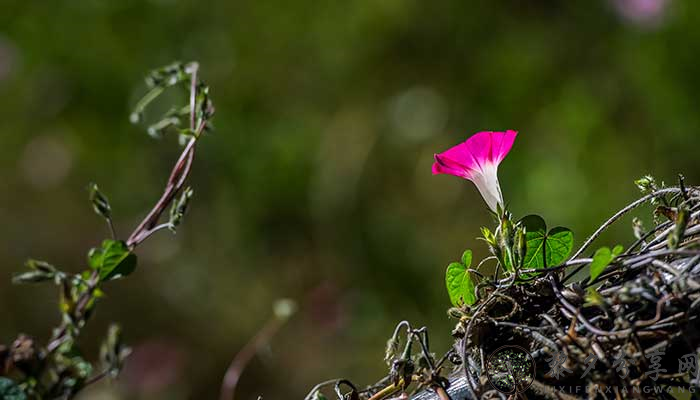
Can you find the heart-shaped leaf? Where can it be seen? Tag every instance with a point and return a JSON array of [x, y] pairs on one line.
[[545, 249], [602, 258], [113, 259], [459, 283]]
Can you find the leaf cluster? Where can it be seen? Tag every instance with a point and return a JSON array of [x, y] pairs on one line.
[[520, 249]]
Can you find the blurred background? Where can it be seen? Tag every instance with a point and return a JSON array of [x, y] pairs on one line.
[[316, 183]]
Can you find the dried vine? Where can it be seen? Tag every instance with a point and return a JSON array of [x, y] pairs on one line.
[[642, 303]]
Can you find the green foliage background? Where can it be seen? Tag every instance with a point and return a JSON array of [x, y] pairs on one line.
[[316, 183]]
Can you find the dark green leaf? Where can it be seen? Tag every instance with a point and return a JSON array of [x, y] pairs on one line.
[[545, 249], [113, 260], [9, 390], [560, 241], [460, 286]]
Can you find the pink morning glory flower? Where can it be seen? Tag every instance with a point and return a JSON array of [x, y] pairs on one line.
[[477, 159]]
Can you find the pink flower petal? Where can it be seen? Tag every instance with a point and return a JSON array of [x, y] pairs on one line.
[[479, 147], [501, 142], [473, 155], [459, 156], [445, 165], [477, 160]]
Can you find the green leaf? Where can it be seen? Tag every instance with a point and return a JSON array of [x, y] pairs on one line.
[[9, 390], [593, 298], [617, 250], [39, 271], [113, 260], [646, 184], [459, 284], [601, 259], [179, 208], [75, 369], [467, 258], [99, 202], [158, 129], [137, 115], [535, 233], [488, 236], [545, 249], [32, 277], [560, 241]]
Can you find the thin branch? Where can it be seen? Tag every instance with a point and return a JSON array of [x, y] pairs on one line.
[[179, 172], [619, 214], [148, 226], [241, 360]]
